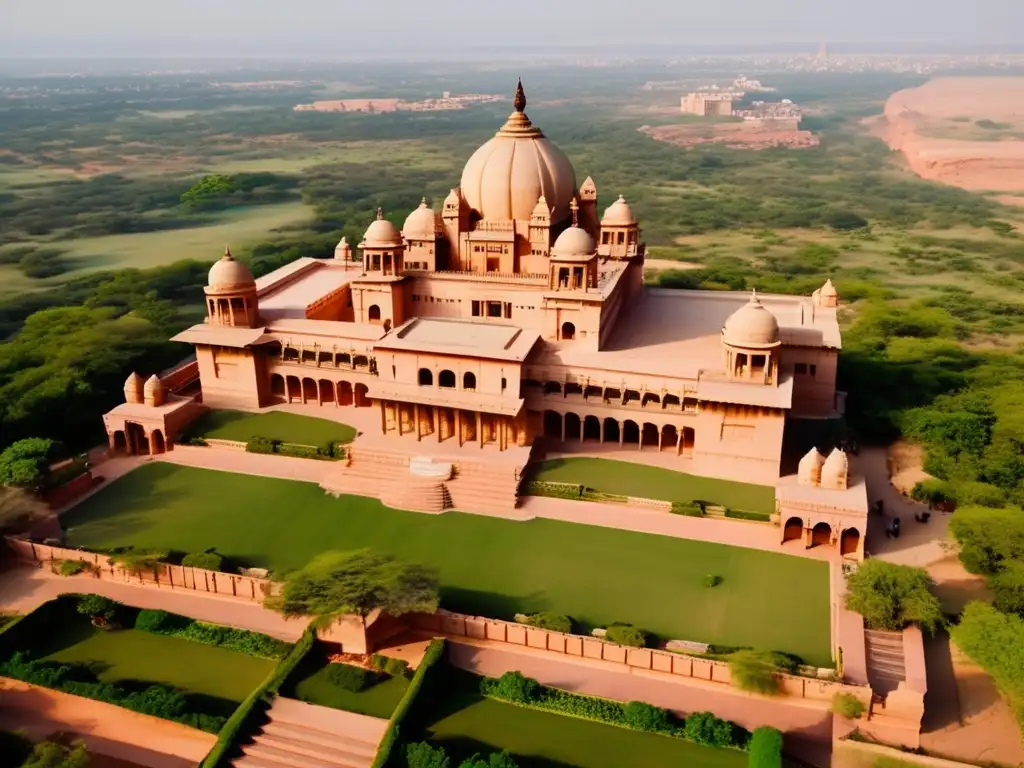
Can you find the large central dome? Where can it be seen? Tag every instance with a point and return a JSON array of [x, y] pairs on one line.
[[505, 177]]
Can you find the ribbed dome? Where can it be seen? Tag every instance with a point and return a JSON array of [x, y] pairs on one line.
[[504, 177], [618, 214], [153, 384], [421, 224], [828, 289], [381, 234], [573, 243], [835, 470], [809, 469], [228, 274], [751, 326]]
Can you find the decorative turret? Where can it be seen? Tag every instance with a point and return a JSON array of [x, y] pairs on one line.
[[573, 257], [809, 469], [343, 251], [231, 294], [382, 247], [588, 207], [133, 388], [835, 471], [620, 234], [750, 339], [826, 296], [154, 394]]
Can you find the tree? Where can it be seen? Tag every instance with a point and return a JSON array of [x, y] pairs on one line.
[[425, 755], [53, 754], [891, 596], [988, 538], [995, 641], [765, 749], [758, 671], [208, 191], [1008, 588], [24, 464], [337, 583]]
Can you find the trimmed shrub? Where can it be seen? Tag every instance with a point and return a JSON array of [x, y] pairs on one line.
[[517, 687], [260, 445], [712, 580], [625, 634], [297, 451], [102, 610], [738, 514], [155, 621], [704, 728], [765, 749], [554, 490], [378, 662], [354, 679], [209, 561], [642, 716], [240, 640], [688, 508], [847, 705], [554, 622], [396, 667], [756, 671], [72, 567], [494, 760], [424, 755]]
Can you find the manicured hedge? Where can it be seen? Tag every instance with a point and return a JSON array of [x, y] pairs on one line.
[[765, 750], [688, 508], [554, 490], [700, 727], [435, 652], [240, 640], [243, 720], [739, 514], [329, 451]]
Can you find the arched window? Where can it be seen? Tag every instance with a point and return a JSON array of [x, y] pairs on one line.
[[468, 381], [446, 379], [568, 331], [374, 313], [426, 377]]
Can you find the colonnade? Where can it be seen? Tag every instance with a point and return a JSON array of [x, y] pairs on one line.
[[442, 423], [848, 539], [308, 390]]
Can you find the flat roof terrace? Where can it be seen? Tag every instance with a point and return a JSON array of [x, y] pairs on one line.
[[287, 292], [678, 333], [460, 337]]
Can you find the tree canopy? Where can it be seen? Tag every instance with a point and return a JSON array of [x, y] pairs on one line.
[[891, 596], [334, 584], [24, 464]]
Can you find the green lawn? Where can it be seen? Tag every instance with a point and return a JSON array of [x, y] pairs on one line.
[[488, 565], [466, 722], [276, 425], [310, 683], [628, 479], [223, 676]]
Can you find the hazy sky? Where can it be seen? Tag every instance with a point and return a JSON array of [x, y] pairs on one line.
[[325, 27]]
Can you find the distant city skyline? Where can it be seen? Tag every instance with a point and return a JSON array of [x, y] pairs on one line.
[[456, 28]]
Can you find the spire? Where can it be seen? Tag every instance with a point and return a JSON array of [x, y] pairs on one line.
[[227, 253], [380, 214], [753, 297], [520, 98], [423, 202], [575, 208]]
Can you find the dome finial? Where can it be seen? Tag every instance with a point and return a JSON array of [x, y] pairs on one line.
[[575, 208], [519, 102], [227, 252], [380, 214]]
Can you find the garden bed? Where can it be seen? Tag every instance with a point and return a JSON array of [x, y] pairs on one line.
[[311, 682], [273, 425]]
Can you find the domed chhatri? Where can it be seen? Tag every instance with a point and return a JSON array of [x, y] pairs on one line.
[[229, 275], [618, 214], [835, 471], [752, 326], [504, 178], [381, 233], [573, 243], [133, 388], [809, 470], [421, 224]]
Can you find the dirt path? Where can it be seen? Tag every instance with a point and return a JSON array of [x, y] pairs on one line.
[[808, 726], [24, 589]]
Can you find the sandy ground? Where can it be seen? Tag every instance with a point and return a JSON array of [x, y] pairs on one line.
[[935, 126], [745, 135], [660, 264]]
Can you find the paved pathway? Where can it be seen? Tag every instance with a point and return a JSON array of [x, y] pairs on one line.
[[25, 588], [261, 464], [808, 724]]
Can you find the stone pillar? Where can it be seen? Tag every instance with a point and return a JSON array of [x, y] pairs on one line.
[[600, 425], [383, 418], [810, 537], [458, 426], [563, 427], [479, 429], [437, 424], [416, 418], [679, 441], [622, 434], [152, 444], [660, 436]]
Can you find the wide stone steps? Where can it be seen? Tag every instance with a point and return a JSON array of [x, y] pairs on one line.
[[886, 665], [301, 735], [415, 494]]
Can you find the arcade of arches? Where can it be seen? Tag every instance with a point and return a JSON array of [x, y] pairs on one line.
[[572, 427], [134, 440], [848, 539], [295, 389]]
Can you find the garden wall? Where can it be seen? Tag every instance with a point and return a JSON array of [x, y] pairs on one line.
[[105, 728], [495, 630], [167, 576]]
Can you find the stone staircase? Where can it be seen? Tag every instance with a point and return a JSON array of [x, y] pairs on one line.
[[300, 735], [475, 486], [885, 662]]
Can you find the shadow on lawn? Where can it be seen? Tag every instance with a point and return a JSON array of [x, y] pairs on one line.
[[491, 604]]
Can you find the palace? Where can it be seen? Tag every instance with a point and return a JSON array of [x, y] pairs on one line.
[[513, 315]]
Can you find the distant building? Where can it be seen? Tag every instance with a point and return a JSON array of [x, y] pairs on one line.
[[709, 104]]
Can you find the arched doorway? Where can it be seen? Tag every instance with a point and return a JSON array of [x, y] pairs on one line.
[[425, 377], [277, 386], [373, 313], [157, 441], [849, 542], [821, 535], [326, 391], [630, 431], [120, 443], [344, 393], [572, 427], [294, 388], [592, 429], [611, 430], [688, 438], [669, 438], [793, 530], [135, 436], [553, 424], [568, 331], [361, 399], [649, 435], [309, 391]]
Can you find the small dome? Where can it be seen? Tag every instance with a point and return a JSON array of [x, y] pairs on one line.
[[133, 381], [835, 470], [381, 234], [228, 274], [573, 243], [618, 214], [809, 469], [421, 224], [541, 210], [751, 326], [153, 384]]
